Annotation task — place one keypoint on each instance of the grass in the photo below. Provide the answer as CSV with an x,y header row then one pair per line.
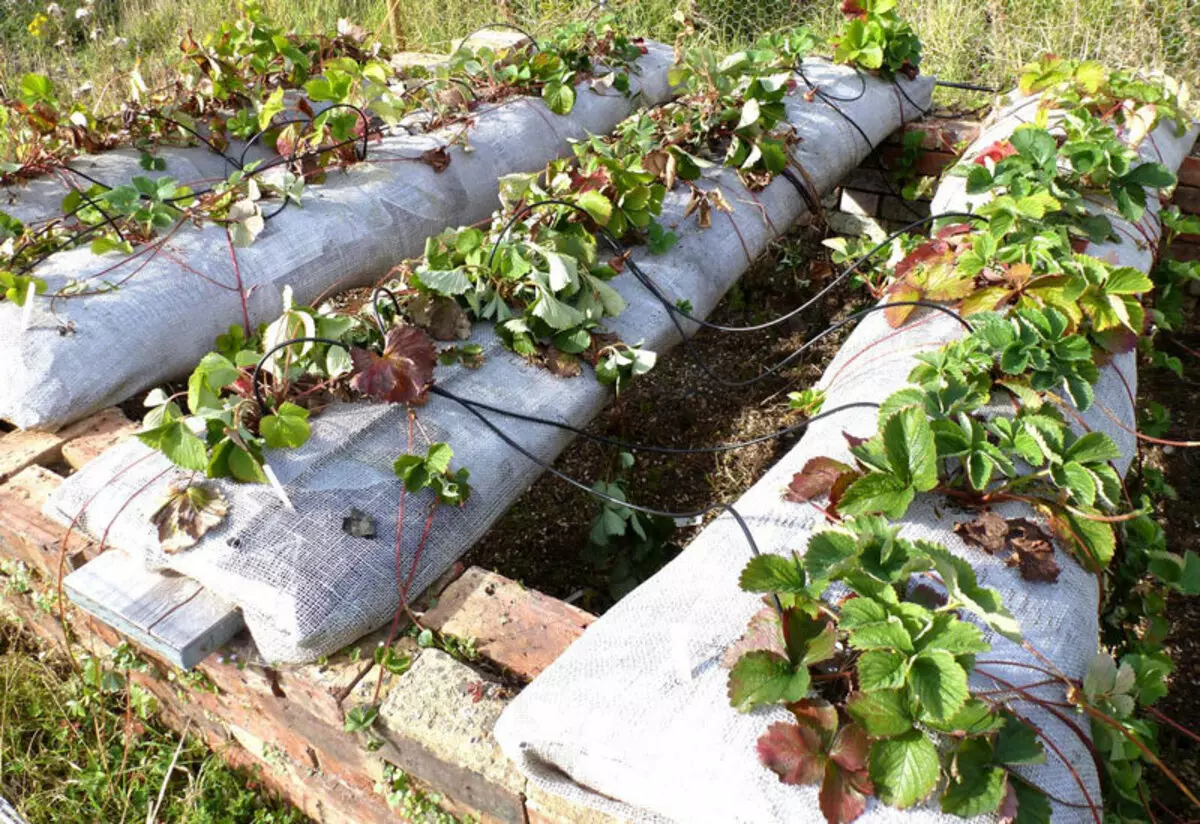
x,y
972,40
63,755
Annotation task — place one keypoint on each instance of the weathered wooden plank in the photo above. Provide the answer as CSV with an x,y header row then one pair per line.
x,y
169,614
28,535
21,449
85,440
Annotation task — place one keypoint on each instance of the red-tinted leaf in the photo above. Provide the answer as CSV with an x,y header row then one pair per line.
x,y
402,373
843,795
850,749
851,8
952,230
996,152
896,315
816,479
820,716
438,158
840,486
763,632
793,752
926,252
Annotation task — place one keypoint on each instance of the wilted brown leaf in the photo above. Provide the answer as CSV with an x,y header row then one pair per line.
x,y
189,511
438,158
1021,543
440,316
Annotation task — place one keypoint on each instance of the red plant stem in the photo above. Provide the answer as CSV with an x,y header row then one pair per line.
x,y
1157,715
1146,438
1066,761
1043,683
412,572
399,583
1146,752
237,276
1050,708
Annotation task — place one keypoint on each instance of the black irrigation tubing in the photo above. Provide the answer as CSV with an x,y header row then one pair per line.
x,y
674,310
375,306
658,450
832,101
808,344
277,347
84,233
970,87
361,155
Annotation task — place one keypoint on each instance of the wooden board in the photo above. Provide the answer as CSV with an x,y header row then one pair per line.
x,y
169,614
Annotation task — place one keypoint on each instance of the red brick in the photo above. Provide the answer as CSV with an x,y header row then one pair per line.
x,y
1187,198
26,448
945,135
928,163
1189,172
519,629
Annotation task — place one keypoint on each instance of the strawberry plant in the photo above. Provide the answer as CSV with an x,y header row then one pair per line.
x,y
875,38
873,707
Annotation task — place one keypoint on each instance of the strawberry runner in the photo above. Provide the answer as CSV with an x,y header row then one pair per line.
x,y
305,586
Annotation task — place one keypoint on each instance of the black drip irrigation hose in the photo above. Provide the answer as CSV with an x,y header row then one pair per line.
x,y
271,164
831,101
675,313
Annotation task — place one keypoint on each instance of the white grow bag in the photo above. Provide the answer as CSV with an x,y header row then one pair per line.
x,y
633,719
306,588
348,232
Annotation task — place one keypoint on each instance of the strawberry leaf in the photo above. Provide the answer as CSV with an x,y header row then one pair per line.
x,y
402,373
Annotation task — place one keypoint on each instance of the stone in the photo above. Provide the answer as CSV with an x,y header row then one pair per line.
x,y
437,723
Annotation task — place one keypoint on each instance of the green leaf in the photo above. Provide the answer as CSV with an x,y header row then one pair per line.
x,y
245,467
286,429
559,97
877,492
554,312
889,634
909,445
826,551
762,677
962,587
882,670
939,683
34,89
977,786
904,769
176,441
437,461
1032,805
597,205
952,635
449,282
773,573
882,713
1017,743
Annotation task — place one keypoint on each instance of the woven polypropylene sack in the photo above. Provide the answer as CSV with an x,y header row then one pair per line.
x,y
633,719
171,305
307,588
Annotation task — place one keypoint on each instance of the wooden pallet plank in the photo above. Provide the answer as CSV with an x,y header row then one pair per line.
x,y
85,440
170,614
21,449
28,535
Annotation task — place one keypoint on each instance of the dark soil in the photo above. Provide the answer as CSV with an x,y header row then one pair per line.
x,y
541,538
1181,520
